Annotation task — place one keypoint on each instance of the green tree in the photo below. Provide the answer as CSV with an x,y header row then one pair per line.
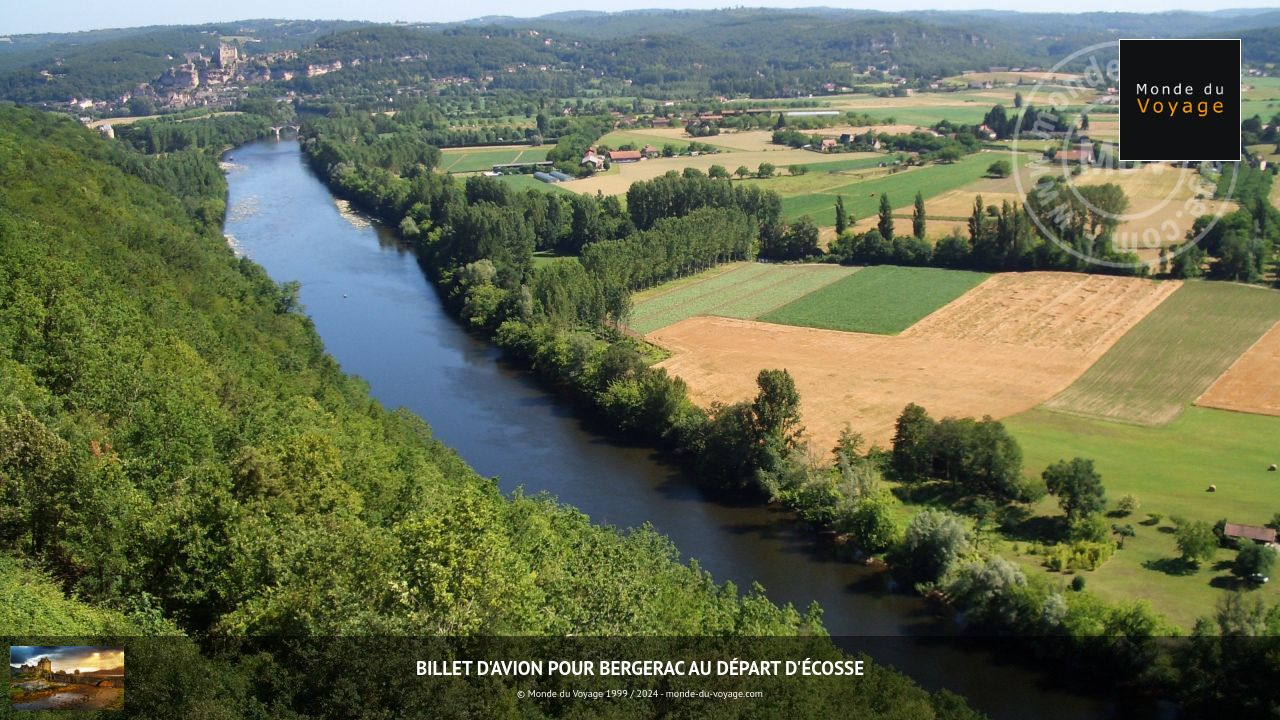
x,y
1253,559
912,455
871,524
765,170
1078,487
885,223
932,544
742,171
718,172
918,217
777,407
999,169
1196,541
842,220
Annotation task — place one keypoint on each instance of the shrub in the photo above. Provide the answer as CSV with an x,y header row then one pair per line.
x,y
934,541
1127,505
1081,555
872,525
1077,583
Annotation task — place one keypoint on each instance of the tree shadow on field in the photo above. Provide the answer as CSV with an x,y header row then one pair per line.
x,y
1229,582
1172,566
1034,528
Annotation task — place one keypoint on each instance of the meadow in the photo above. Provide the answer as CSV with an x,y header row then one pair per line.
x,y
1173,354
741,290
862,197
1169,470
884,299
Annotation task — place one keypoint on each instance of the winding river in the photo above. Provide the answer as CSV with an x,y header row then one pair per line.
x,y
383,321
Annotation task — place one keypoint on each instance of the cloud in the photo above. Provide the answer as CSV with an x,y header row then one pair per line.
x,y
68,658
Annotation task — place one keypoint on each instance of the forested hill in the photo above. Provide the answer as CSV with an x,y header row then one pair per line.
x,y
761,52
178,451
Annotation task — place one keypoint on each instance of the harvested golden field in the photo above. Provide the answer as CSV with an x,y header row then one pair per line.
x,y
1050,310
1027,76
1252,383
1004,347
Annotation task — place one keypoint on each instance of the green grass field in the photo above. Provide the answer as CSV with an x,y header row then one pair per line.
x,y
460,160
1169,469
862,198
884,299
744,290
1172,355
529,182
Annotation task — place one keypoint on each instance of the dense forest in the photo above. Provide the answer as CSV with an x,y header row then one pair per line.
x,y
182,457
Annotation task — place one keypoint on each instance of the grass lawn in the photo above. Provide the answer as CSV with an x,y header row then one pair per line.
x,y
745,291
862,198
460,160
885,299
1169,469
529,182
1172,355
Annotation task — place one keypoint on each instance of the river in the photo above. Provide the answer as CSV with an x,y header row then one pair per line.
x,y
382,320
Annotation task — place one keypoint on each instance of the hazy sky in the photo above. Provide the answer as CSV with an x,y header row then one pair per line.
x,y
19,16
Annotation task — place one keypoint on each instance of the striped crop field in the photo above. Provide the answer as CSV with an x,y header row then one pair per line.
x,y
743,290
1173,354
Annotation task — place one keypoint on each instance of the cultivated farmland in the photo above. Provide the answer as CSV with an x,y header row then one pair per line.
x,y
1252,383
1002,348
621,175
862,198
885,299
476,159
744,290
1172,356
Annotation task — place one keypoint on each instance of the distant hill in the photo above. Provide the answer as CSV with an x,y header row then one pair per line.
x,y
689,52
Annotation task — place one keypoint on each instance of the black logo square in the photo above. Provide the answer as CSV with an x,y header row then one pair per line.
x,y
1180,100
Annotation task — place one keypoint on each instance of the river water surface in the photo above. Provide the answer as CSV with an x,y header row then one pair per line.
x,y
382,320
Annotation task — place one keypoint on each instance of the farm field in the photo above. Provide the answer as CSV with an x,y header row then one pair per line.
x,y
1172,356
1031,77
476,159
1046,328
885,299
745,291
622,175
1252,383
1169,469
658,137
1157,193
862,198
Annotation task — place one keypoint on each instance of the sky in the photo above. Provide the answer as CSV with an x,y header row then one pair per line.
x,y
68,658
17,17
